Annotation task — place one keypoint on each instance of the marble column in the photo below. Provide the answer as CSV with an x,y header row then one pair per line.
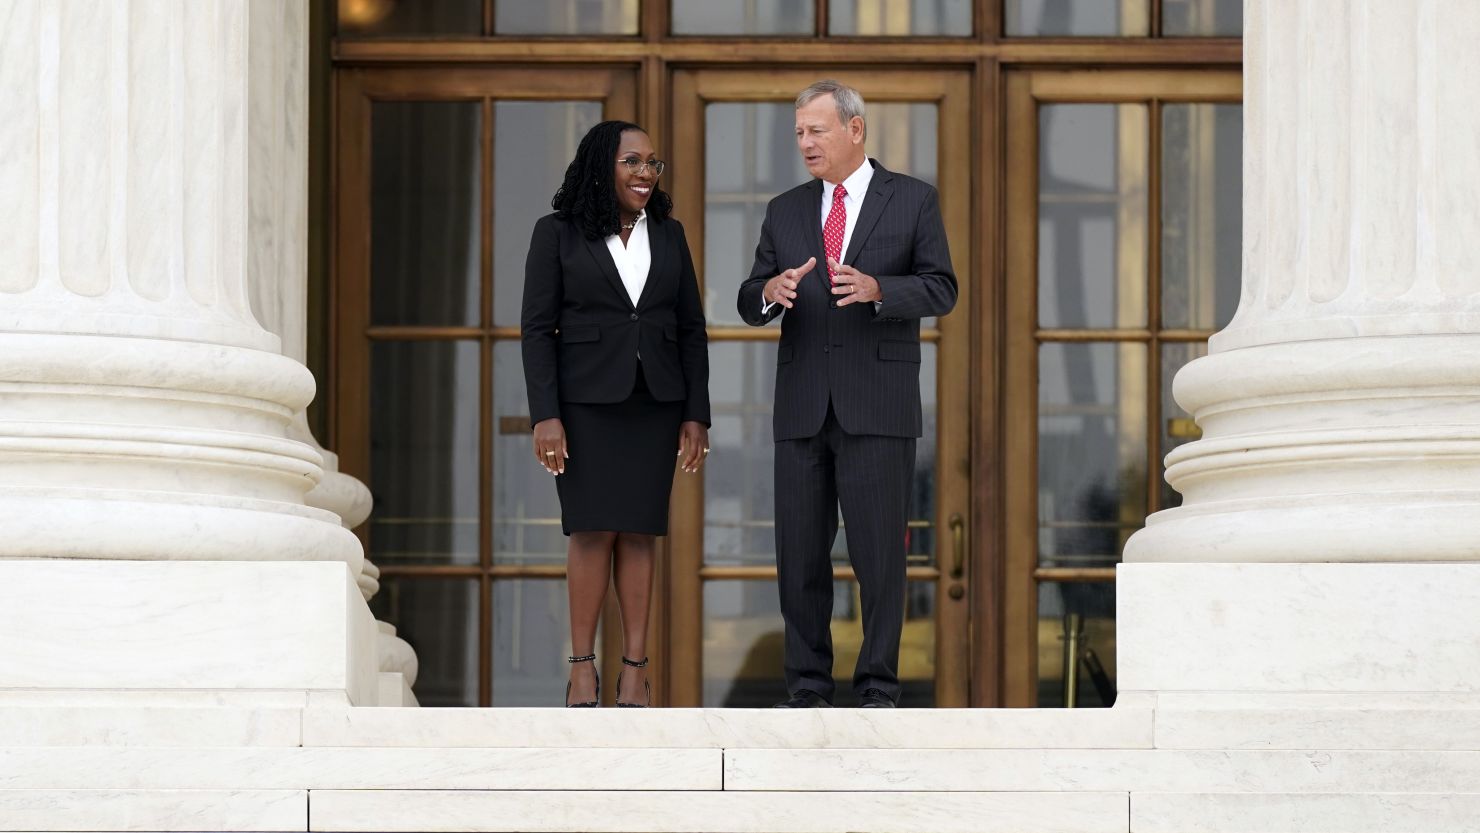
x,y
1331,518
153,463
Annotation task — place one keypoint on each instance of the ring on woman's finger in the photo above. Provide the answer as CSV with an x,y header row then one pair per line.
x,y
549,454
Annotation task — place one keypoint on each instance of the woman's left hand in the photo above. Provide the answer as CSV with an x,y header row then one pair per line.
x,y
693,446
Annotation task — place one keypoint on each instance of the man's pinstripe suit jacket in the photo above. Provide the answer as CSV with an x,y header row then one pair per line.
x,y
866,361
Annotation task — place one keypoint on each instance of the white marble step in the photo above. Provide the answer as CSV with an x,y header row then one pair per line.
x,y
1119,728
1282,813
143,768
1100,770
246,811
718,812
1178,721
149,726
740,770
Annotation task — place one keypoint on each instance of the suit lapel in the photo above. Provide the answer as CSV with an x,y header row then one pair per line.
x,y
880,189
608,267
658,268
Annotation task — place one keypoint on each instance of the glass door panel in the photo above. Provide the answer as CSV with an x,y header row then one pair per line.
x,y
1202,18
424,452
1091,451
1092,191
744,17
426,165
1084,18
1202,156
900,18
565,17
425,18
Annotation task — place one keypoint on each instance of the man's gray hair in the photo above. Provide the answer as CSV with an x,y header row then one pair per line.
x,y
849,100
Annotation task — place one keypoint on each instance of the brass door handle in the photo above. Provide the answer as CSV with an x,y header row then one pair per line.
x,y
958,542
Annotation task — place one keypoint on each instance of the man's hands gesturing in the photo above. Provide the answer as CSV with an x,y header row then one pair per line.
x,y
782,289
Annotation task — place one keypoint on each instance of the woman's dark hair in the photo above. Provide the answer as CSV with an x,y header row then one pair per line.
x,y
588,197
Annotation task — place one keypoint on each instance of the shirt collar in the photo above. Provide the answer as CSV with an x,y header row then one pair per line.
x,y
856,183
639,223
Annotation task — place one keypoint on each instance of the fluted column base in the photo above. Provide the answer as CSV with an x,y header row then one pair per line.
x,y
1345,450
145,449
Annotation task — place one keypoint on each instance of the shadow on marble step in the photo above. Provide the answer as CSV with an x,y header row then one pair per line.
x,y
1118,728
718,812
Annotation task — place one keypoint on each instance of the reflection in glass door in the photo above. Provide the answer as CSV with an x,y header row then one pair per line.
x,y
734,151
437,199
1123,257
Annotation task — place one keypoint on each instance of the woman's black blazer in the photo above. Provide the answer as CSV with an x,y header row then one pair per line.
x,y
582,334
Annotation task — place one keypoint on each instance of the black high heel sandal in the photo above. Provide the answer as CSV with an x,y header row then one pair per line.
x,y
647,686
594,703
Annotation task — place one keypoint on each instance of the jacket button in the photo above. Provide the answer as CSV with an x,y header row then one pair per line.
x,y
633,316
827,348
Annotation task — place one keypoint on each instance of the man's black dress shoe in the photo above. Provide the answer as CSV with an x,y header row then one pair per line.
x,y
872,698
804,699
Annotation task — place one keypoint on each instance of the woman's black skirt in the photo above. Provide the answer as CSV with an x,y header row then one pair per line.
x,y
622,461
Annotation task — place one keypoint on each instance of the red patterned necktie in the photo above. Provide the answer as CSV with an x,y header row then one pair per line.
x,y
832,230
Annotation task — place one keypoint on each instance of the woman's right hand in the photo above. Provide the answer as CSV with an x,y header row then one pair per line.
x,y
549,445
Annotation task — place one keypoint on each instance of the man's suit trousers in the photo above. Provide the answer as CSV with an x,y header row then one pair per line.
x,y
870,477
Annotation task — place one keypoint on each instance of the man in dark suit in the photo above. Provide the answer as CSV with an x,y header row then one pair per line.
x,y
851,262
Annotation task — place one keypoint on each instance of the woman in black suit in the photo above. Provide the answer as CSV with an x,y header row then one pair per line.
x,y
617,365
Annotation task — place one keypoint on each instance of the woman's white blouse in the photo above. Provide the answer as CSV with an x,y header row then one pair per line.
x,y
634,259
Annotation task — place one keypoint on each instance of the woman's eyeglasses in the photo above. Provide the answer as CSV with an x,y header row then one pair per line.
x,y
636,166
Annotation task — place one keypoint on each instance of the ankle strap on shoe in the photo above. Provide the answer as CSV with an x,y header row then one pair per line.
x,y
586,658
632,663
